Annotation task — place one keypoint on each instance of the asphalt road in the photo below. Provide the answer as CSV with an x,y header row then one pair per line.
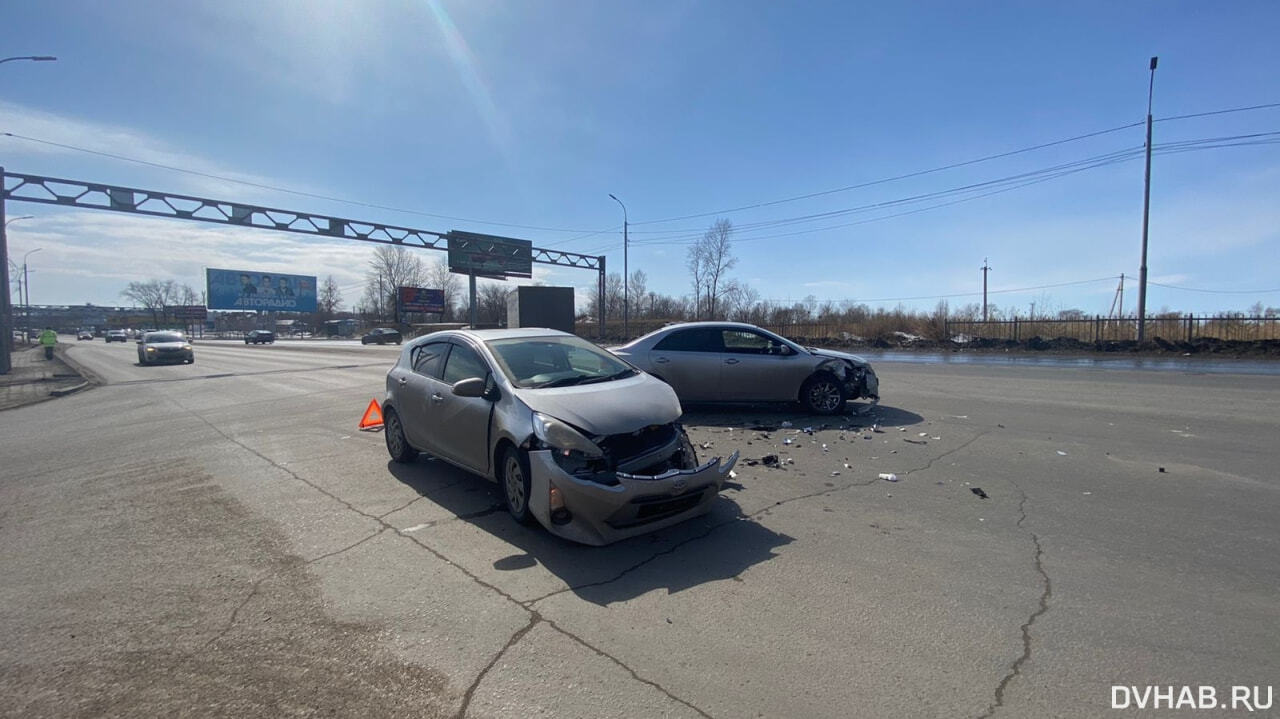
x,y
218,539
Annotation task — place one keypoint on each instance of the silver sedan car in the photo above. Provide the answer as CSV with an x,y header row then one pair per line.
x,y
736,362
165,347
577,439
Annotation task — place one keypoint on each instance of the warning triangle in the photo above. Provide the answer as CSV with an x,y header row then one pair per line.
x,y
372,416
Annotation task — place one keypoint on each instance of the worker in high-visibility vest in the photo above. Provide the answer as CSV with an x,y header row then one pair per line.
x,y
48,339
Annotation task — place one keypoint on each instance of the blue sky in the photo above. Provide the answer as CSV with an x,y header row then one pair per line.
x,y
530,113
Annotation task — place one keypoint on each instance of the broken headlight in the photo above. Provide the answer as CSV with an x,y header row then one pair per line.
x,y
562,438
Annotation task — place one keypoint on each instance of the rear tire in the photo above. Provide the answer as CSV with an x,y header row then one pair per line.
x,y
822,394
515,484
397,444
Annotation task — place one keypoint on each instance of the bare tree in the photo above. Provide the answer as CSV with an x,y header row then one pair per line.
x,y
330,300
612,297
438,277
709,262
153,295
491,302
638,288
390,267
695,260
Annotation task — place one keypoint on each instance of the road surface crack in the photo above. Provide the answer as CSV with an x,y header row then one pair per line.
x,y
534,620
1046,594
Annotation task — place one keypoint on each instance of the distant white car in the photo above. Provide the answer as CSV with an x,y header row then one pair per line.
x,y
117,336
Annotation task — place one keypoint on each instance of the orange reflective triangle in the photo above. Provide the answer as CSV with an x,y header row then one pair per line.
x,y
372,416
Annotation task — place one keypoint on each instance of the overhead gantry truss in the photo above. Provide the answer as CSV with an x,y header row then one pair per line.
x,y
20,187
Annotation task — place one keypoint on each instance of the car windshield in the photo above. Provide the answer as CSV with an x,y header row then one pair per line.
x,y
158,337
538,362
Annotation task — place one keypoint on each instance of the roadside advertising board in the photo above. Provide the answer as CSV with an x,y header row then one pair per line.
x,y
418,299
254,290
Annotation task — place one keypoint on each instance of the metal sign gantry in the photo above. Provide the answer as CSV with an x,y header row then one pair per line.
x,y
20,187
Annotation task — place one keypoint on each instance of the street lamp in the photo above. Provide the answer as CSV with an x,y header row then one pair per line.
x,y
26,293
1146,213
626,288
33,58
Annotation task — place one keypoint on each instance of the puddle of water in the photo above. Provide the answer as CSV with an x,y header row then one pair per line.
x,y
1186,365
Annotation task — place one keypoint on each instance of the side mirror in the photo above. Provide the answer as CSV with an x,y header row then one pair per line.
x,y
470,387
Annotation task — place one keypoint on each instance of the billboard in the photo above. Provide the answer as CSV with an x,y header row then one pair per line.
x,y
187,312
418,299
246,290
489,255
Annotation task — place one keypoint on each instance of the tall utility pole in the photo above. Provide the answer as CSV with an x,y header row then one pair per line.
x,y
985,270
6,307
626,287
1146,211
26,295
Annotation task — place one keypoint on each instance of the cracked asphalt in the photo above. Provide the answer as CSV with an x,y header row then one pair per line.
x,y
218,539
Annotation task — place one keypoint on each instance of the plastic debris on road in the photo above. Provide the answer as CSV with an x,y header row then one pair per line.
x,y
784,424
915,441
1061,453
769,460
889,476
788,440
978,491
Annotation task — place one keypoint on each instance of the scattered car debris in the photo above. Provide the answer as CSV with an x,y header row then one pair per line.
x,y
915,441
733,474
902,429
1162,470
769,460
1061,453
1086,492
889,476
835,474
923,434
784,424
788,440
936,439
978,491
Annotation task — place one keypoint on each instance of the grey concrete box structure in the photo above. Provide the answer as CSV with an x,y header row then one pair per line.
x,y
550,307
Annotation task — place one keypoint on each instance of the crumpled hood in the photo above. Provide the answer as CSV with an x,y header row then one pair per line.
x,y
616,407
855,359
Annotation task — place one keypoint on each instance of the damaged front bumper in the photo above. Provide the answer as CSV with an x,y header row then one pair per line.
x,y
600,514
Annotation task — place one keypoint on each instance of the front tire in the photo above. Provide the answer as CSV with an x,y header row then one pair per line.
x,y
515,484
397,444
822,394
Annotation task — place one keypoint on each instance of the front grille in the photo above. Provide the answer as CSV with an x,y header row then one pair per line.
x,y
621,447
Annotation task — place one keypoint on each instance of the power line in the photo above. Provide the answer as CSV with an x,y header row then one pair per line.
x,y
908,175
961,294
1216,292
300,193
1218,112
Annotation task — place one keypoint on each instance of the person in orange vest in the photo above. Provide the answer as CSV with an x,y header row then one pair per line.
x,y
48,339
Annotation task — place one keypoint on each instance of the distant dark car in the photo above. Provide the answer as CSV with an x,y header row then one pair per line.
x,y
117,336
84,335
260,337
381,336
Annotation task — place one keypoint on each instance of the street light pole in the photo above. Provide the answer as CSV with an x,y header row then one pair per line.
x,y
26,292
1146,212
6,306
626,287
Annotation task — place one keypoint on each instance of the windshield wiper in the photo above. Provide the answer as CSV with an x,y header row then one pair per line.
x,y
623,374
562,382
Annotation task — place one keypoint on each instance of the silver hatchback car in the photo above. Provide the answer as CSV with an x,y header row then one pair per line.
x,y
737,362
578,439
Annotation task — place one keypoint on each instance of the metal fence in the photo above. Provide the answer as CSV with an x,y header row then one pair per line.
x,y
1085,329
1104,329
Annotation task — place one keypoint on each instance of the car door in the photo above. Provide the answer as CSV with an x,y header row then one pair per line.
x,y
414,390
758,368
462,423
690,361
